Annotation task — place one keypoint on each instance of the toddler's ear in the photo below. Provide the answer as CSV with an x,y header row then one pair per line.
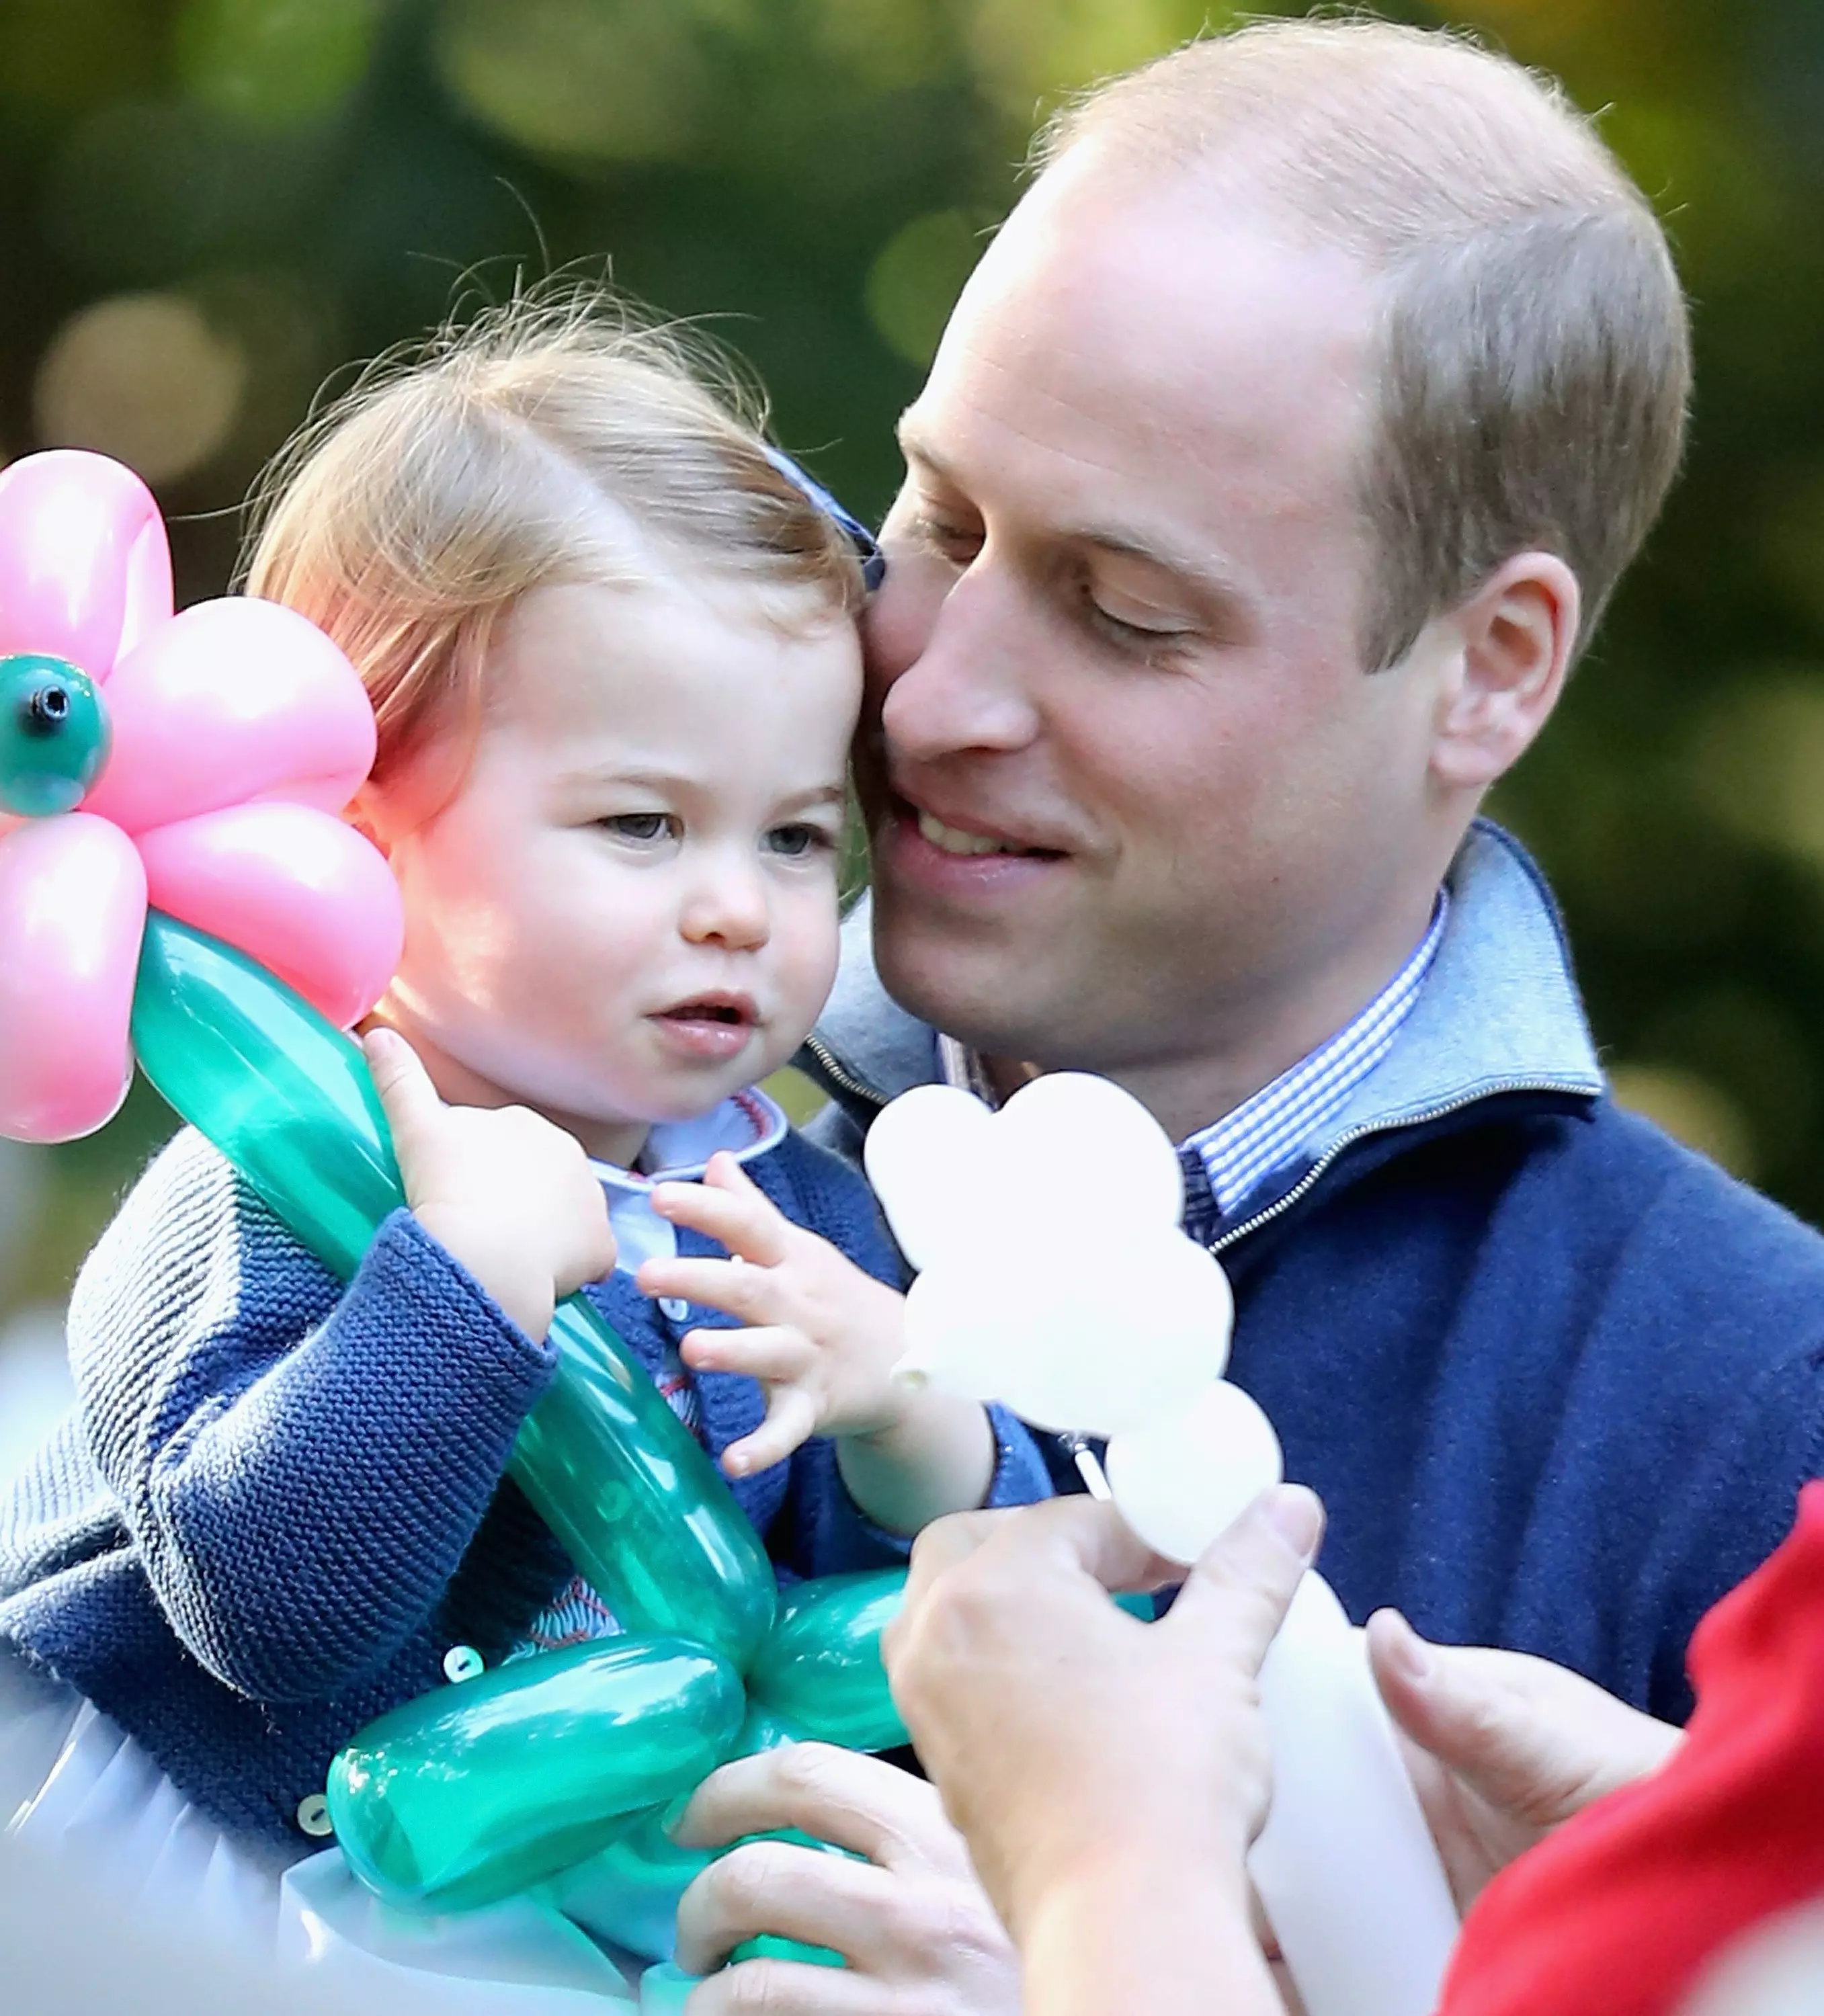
x,y
362,813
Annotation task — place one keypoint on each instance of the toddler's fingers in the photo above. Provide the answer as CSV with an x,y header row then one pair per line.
x,y
407,1096
791,1419
745,1221
776,1355
750,1293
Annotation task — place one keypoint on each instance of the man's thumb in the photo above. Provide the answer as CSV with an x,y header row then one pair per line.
x,y
1237,1595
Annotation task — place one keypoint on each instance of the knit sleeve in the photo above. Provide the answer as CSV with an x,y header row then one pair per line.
x,y
300,1467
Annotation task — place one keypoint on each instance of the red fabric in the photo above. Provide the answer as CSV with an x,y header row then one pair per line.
x,y
1617,1913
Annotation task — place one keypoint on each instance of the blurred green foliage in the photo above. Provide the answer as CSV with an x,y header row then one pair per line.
x,y
208,206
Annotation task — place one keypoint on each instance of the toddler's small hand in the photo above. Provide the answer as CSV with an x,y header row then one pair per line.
x,y
500,1189
823,1335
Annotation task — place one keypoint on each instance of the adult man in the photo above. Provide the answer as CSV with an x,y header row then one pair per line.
x,y
1276,465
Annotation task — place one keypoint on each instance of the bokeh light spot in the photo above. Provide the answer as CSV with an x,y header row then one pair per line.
x,y
915,279
274,62
61,56
143,378
1031,51
1756,762
577,80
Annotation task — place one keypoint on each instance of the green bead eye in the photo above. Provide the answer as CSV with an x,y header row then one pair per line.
x,y
54,736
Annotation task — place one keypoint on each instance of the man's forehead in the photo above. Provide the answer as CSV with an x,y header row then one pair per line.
x,y
1118,325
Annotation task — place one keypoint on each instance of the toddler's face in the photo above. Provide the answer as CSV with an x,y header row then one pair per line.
x,y
628,909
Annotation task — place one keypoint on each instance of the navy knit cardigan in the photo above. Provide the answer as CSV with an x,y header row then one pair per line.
x,y
279,1502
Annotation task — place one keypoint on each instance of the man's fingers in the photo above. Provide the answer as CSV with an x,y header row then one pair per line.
x,y
729,1208
785,1988
407,1096
852,1801
1534,1740
794,1893
1237,1594
967,1563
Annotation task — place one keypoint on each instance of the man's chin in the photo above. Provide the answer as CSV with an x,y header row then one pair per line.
x,y
964,989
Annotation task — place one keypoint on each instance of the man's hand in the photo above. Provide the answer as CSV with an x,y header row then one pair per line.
x,y
921,1936
1067,1737
1503,1747
500,1189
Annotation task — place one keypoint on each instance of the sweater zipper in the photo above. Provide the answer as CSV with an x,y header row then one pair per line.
x,y
1422,1118
838,1075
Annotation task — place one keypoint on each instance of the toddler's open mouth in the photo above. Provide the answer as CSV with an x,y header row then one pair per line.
x,y
709,1026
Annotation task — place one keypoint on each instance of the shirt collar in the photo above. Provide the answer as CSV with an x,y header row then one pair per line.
x,y
679,1150
1500,1012
1266,1132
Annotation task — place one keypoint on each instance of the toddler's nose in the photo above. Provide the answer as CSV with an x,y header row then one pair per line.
x,y
729,908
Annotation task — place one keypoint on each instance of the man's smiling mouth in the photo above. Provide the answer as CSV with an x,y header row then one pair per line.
x,y
954,839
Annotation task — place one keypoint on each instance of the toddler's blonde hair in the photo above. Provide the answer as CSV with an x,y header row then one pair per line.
x,y
555,439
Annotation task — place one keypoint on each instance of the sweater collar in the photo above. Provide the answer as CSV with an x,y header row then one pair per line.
x,y
1499,1012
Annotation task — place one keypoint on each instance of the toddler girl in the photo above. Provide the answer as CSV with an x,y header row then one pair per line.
x,y
609,637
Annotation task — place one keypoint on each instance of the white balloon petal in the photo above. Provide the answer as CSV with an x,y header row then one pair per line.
x,y
927,1157
1071,1129
1095,1348
1180,1481
962,1331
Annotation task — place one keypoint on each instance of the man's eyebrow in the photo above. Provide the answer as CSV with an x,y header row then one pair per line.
x,y
1208,575
1202,571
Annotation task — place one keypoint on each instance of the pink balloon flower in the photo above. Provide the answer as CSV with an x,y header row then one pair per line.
x,y
213,752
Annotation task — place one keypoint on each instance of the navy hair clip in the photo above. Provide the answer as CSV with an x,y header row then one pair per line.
x,y
873,562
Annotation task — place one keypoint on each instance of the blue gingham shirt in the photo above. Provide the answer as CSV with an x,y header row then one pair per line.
x,y
1264,1134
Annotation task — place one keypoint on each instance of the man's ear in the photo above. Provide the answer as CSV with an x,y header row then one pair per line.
x,y
1510,646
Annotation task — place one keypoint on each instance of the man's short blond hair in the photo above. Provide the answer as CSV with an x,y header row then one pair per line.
x,y
1533,358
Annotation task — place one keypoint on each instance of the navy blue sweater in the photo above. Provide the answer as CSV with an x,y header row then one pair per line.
x,y
1557,1379
279,1502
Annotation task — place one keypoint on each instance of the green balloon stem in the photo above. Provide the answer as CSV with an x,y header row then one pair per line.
x,y
287,1099
820,1672
471,1793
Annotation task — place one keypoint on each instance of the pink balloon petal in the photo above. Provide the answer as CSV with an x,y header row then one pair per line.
x,y
84,567
291,886
232,701
72,913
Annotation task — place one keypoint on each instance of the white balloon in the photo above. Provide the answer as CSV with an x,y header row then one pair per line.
x,y
928,1157
963,1331
1345,1866
1071,1130
1184,1479
1089,1349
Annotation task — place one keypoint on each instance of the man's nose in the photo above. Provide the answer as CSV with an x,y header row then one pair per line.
x,y
728,904
969,689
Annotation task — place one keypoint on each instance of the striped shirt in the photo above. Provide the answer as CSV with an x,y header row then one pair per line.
x,y
1264,1134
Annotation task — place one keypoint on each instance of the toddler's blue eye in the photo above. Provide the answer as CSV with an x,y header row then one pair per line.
x,y
641,826
794,842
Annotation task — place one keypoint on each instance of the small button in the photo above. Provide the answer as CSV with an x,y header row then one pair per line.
x,y
313,1817
674,1308
461,1662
